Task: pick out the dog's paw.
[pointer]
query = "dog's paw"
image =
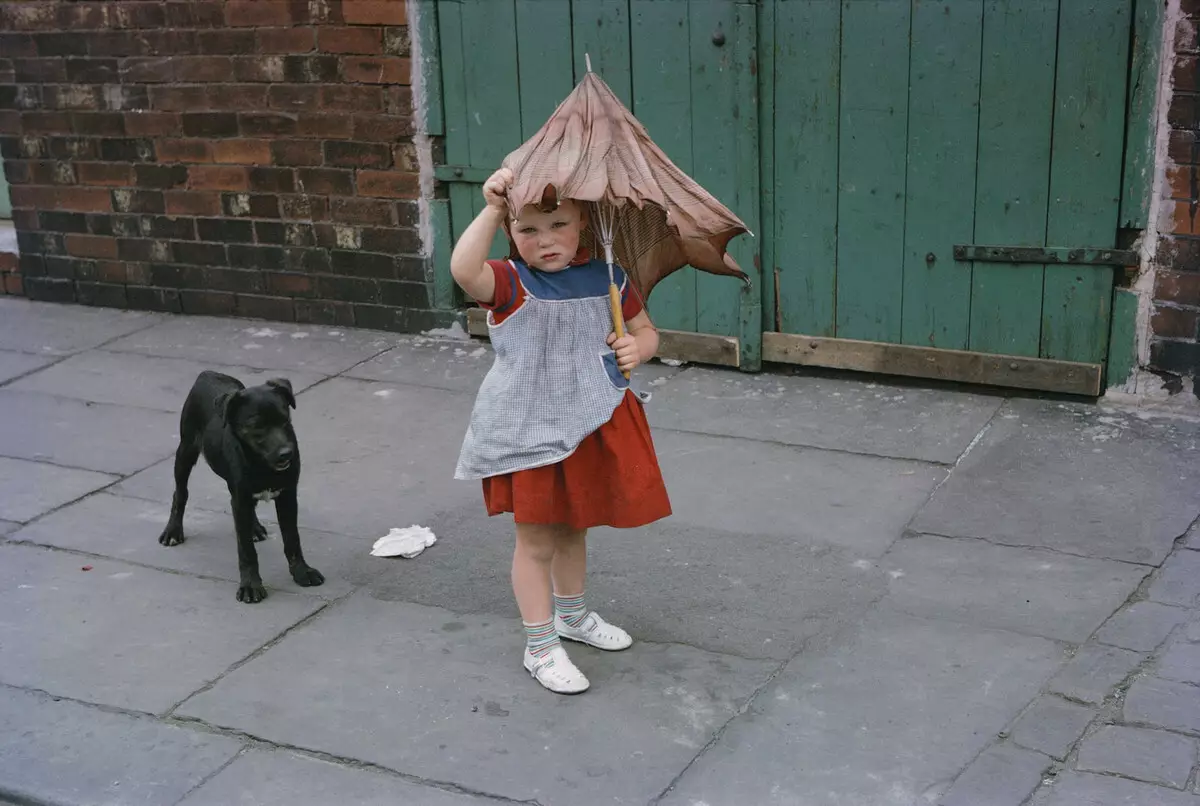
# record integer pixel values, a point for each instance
(307, 577)
(259, 532)
(251, 592)
(172, 535)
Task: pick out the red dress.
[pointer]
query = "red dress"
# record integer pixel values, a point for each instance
(612, 478)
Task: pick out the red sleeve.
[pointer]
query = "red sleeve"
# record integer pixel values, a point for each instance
(631, 300)
(503, 296)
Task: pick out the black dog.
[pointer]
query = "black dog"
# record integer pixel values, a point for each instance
(247, 439)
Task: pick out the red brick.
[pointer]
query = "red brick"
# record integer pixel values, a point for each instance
(1174, 323)
(352, 98)
(10, 122)
(179, 99)
(374, 12)
(1182, 181)
(350, 40)
(398, 101)
(388, 184)
(268, 123)
(294, 96)
(83, 16)
(203, 69)
(137, 14)
(218, 177)
(377, 69)
(327, 181)
(297, 152)
(362, 211)
(1184, 74)
(326, 126)
(29, 16)
(189, 202)
(242, 152)
(38, 71)
(145, 124)
(46, 123)
(379, 129)
(104, 173)
(12, 285)
(286, 40)
(256, 13)
(183, 150)
(9, 262)
(1179, 287)
(140, 70)
(111, 271)
(92, 246)
(277, 309)
(195, 14)
(259, 68)
(104, 124)
(227, 42)
(1184, 147)
(353, 154)
(241, 97)
(17, 46)
(90, 200)
(295, 285)
(1186, 218)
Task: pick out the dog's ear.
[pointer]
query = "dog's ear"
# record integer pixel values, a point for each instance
(284, 387)
(230, 403)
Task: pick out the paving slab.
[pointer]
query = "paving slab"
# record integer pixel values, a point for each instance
(859, 503)
(443, 697)
(1051, 725)
(1088, 789)
(1141, 626)
(121, 635)
(49, 329)
(850, 415)
(1079, 479)
(455, 365)
(1178, 582)
(887, 717)
(13, 365)
(128, 528)
(274, 777)
(67, 753)
(29, 489)
(665, 583)
(1003, 775)
(1164, 703)
(1181, 661)
(279, 346)
(7, 527)
(1025, 590)
(143, 381)
(1094, 672)
(1154, 756)
(91, 436)
(374, 456)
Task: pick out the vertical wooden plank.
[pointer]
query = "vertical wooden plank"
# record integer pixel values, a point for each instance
(1016, 108)
(543, 59)
(600, 29)
(748, 198)
(1122, 340)
(873, 133)
(715, 145)
(1085, 172)
(493, 98)
(943, 131)
(1140, 120)
(808, 69)
(445, 296)
(767, 26)
(659, 47)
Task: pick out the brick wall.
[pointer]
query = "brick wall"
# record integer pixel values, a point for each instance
(1175, 323)
(231, 157)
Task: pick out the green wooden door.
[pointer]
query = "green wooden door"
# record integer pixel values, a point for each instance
(686, 68)
(903, 128)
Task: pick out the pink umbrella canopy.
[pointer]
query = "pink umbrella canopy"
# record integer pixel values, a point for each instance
(655, 218)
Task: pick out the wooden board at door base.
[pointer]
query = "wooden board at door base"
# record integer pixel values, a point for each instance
(673, 345)
(960, 366)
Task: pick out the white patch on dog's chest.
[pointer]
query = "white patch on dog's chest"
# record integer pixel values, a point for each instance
(267, 495)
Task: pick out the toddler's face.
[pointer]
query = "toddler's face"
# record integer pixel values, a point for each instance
(549, 241)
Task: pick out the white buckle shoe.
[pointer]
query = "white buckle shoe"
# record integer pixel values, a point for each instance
(594, 631)
(555, 671)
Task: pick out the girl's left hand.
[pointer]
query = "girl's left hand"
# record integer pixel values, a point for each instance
(626, 348)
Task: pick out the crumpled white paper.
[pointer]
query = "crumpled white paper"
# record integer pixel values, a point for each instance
(407, 542)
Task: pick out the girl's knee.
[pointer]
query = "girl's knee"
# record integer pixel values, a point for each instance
(537, 541)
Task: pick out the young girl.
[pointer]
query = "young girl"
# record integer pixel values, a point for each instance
(556, 436)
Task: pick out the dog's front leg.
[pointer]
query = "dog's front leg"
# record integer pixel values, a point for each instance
(250, 588)
(286, 510)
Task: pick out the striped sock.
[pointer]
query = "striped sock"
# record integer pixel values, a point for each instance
(571, 609)
(541, 638)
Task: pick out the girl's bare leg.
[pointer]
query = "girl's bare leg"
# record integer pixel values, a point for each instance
(532, 558)
(568, 570)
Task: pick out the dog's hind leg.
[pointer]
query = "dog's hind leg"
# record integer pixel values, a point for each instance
(186, 456)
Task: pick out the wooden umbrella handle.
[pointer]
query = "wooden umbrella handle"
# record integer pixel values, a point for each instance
(618, 316)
